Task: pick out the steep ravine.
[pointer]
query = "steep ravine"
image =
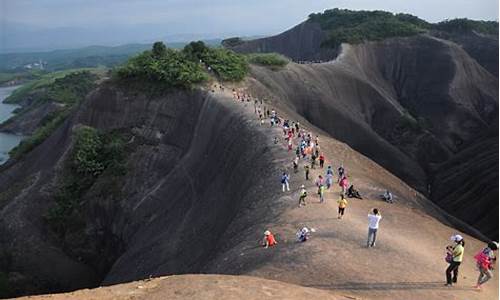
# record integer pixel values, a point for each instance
(192, 165)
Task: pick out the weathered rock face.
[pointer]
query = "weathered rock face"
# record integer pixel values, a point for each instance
(410, 104)
(301, 42)
(189, 172)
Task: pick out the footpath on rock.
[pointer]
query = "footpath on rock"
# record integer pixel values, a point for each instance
(406, 263)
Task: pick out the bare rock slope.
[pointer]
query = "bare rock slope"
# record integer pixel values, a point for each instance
(413, 105)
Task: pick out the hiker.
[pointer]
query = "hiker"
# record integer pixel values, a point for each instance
(373, 220)
(302, 196)
(306, 170)
(341, 172)
(304, 233)
(342, 205)
(329, 180)
(313, 160)
(343, 184)
(352, 193)
(297, 128)
(329, 170)
(290, 145)
(485, 260)
(457, 253)
(285, 178)
(321, 192)
(268, 240)
(296, 164)
(387, 196)
(321, 160)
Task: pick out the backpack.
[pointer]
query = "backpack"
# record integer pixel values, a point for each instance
(449, 258)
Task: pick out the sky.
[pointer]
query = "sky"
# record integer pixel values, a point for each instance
(58, 22)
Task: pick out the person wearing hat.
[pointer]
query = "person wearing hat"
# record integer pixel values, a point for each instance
(269, 240)
(457, 253)
(485, 260)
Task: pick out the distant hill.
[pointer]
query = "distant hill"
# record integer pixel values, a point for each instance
(86, 57)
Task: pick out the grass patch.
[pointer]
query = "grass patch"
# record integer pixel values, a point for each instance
(273, 60)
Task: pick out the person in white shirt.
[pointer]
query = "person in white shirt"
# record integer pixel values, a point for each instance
(373, 220)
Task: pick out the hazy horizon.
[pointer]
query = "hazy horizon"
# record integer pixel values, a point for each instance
(57, 24)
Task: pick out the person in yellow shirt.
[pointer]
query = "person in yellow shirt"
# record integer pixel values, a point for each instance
(342, 205)
(457, 254)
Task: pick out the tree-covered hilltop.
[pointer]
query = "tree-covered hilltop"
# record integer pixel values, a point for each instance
(466, 25)
(347, 26)
(194, 64)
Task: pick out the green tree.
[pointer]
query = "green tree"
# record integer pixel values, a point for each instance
(159, 49)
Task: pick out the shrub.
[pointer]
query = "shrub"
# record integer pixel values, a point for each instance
(172, 69)
(226, 64)
(268, 59)
(232, 42)
(93, 154)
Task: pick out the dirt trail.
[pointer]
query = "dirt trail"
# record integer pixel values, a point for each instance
(408, 260)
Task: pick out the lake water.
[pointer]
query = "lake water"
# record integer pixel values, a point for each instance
(7, 140)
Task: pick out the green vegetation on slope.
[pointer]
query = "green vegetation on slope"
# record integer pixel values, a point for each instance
(168, 68)
(273, 60)
(346, 26)
(466, 25)
(49, 124)
(57, 86)
(67, 91)
(93, 154)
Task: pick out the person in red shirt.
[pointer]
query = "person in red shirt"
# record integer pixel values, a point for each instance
(269, 240)
(321, 160)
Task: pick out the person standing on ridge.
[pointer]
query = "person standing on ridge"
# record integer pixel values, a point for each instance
(341, 172)
(342, 205)
(373, 220)
(302, 196)
(321, 160)
(313, 160)
(457, 253)
(284, 181)
(344, 184)
(296, 164)
(485, 260)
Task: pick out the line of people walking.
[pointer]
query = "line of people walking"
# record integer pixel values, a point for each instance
(308, 151)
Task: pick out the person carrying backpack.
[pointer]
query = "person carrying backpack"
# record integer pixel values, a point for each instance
(457, 253)
(485, 260)
(284, 181)
(302, 196)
